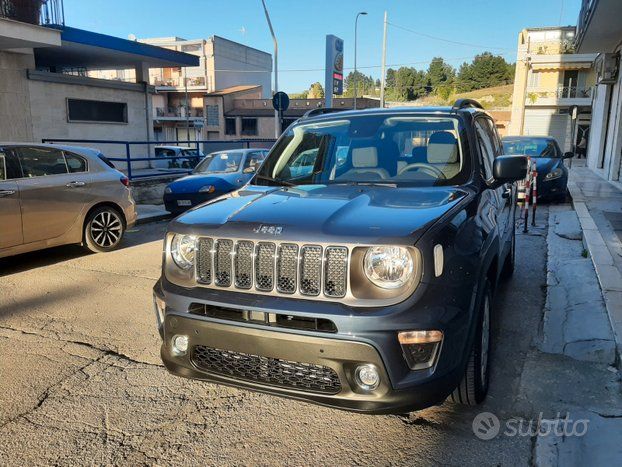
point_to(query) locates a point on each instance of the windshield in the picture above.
(220, 162)
(532, 147)
(377, 149)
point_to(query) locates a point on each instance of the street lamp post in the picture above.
(277, 121)
(356, 79)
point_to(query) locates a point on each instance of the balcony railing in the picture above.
(553, 47)
(39, 12)
(172, 112)
(178, 81)
(561, 92)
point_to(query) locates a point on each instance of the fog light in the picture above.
(420, 348)
(180, 344)
(367, 377)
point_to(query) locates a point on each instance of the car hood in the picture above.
(322, 213)
(192, 183)
(545, 164)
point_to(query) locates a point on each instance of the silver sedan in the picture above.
(55, 195)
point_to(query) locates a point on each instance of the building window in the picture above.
(81, 110)
(249, 127)
(534, 79)
(230, 126)
(212, 115)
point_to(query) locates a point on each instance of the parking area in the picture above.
(81, 380)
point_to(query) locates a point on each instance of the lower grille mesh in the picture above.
(267, 370)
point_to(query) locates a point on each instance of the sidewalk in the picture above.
(151, 213)
(598, 204)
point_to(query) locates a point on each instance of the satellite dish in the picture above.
(132, 37)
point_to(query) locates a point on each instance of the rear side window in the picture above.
(41, 162)
(75, 163)
(106, 161)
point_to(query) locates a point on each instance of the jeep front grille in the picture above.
(266, 370)
(270, 267)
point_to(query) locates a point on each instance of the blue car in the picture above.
(219, 173)
(552, 177)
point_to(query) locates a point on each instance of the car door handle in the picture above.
(507, 193)
(75, 184)
(4, 193)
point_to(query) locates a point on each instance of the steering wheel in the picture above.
(429, 169)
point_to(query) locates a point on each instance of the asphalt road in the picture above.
(81, 381)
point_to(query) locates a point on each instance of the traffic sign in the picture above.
(280, 101)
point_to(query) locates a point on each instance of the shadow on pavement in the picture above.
(135, 236)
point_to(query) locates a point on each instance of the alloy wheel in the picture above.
(106, 229)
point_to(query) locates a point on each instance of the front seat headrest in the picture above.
(364, 157)
(442, 148)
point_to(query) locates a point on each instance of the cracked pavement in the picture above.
(81, 380)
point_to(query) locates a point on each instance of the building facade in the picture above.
(600, 31)
(46, 93)
(178, 104)
(553, 86)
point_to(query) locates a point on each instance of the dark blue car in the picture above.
(552, 173)
(219, 173)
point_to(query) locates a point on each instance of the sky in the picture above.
(419, 30)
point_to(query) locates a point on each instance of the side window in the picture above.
(254, 159)
(3, 172)
(496, 139)
(486, 147)
(75, 163)
(41, 162)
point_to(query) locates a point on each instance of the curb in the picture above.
(609, 277)
(153, 218)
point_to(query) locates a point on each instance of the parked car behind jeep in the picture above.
(361, 280)
(56, 195)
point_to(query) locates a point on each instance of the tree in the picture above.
(316, 91)
(440, 73)
(485, 71)
(406, 84)
(364, 84)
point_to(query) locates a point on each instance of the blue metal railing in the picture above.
(151, 165)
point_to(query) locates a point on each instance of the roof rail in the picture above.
(321, 111)
(466, 103)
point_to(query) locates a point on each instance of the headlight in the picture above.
(207, 189)
(388, 267)
(168, 190)
(554, 174)
(182, 250)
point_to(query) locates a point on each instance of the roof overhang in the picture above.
(92, 50)
(600, 28)
(18, 35)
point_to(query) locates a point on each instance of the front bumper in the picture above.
(400, 389)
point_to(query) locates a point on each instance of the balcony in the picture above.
(37, 12)
(552, 47)
(178, 113)
(559, 96)
(177, 82)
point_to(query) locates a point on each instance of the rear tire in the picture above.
(473, 388)
(103, 230)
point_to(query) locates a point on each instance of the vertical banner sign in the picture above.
(333, 79)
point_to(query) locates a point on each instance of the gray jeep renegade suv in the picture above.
(356, 269)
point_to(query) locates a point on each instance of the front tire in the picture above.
(473, 388)
(103, 230)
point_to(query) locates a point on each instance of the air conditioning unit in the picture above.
(607, 65)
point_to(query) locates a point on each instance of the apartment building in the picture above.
(178, 104)
(240, 112)
(553, 86)
(600, 31)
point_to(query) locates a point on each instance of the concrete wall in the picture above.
(598, 128)
(15, 113)
(48, 101)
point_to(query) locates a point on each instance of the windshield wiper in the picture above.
(275, 180)
(355, 183)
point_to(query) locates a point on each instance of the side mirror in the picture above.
(250, 170)
(507, 169)
(568, 155)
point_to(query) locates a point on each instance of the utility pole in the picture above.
(356, 79)
(277, 122)
(187, 108)
(384, 62)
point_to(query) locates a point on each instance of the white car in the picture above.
(166, 157)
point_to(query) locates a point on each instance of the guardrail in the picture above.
(141, 162)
